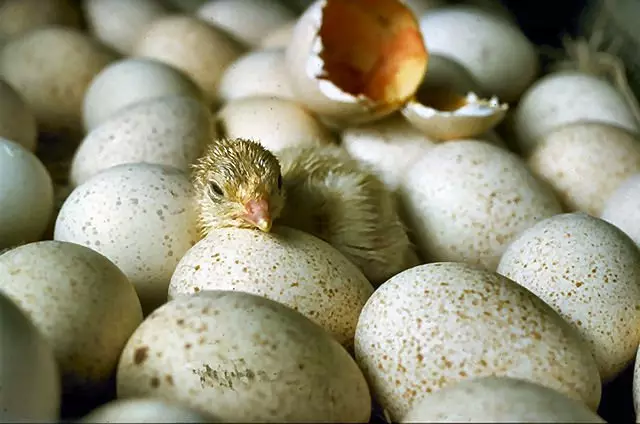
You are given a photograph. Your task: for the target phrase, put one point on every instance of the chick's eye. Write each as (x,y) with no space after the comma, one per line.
(279,182)
(215,189)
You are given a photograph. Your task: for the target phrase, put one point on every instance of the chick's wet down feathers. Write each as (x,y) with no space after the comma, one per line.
(320,190)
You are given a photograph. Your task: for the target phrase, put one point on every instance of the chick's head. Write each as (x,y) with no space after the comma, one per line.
(237,183)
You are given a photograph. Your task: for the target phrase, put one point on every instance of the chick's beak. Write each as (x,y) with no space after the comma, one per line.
(257,213)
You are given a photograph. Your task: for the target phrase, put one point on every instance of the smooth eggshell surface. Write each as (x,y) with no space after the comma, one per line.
(622,208)
(437,324)
(17,122)
(144,410)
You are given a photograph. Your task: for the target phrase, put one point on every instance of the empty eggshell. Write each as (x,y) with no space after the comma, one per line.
(288,266)
(29,375)
(276,123)
(438,324)
(356,61)
(467,200)
(496,53)
(80,301)
(198,49)
(17,122)
(279,37)
(278,366)
(171,130)
(585,163)
(567,97)
(26,195)
(144,410)
(622,208)
(129,81)
(246,20)
(20,16)
(140,216)
(52,68)
(499,399)
(118,23)
(589,272)
(257,73)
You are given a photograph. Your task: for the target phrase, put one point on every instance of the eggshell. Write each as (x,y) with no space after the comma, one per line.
(257,73)
(198,49)
(118,23)
(274,122)
(171,130)
(567,97)
(278,366)
(279,37)
(140,216)
(80,301)
(144,410)
(20,16)
(496,53)
(28,371)
(288,266)
(588,271)
(499,399)
(438,324)
(26,195)
(232,17)
(467,200)
(585,163)
(622,208)
(130,81)
(17,122)
(446,74)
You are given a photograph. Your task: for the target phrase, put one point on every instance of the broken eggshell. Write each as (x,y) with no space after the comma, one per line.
(357,61)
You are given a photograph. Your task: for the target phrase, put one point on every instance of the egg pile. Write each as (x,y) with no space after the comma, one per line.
(519,186)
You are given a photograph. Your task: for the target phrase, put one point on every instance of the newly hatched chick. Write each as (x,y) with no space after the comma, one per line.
(317,189)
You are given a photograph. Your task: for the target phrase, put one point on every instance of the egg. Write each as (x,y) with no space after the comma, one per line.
(144,410)
(585,163)
(20,16)
(467,200)
(567,97)
(170,130)
(288,266)
(80,301)
(494,51)
(447,74)
(29,375)
(499,399)
(52,68)
(622,207)
(278,366)
(26,195)
(140,216)
(257,73)
(589,272)
(232,16)
(274,122)
(118,23)
(17,122)
(130,81)
(199,50)
(279,37)
(434,325)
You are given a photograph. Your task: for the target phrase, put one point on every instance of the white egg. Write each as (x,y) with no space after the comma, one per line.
(622,208)
(438,324)
(29,377)
(17,122)
(140,216)
(144,410)
(243,358)
(170,130)
(26,195)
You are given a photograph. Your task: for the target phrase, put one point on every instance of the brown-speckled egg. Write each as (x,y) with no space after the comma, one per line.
(589,272)
(441,323)
(243,358)
(288,266)
(141,216)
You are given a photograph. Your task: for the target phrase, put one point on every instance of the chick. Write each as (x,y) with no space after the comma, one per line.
(319,190)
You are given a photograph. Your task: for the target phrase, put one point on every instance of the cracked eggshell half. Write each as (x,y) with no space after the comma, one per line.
(357,61)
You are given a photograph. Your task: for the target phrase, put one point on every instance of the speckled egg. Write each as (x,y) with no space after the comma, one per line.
(144,410)
(585,163)
(288,266)
(467,200)
(140,216)
(589,272)
(622,208)
(437,324)
(499,399)
(17,122)
(171,130)
(80,301)
(277,366)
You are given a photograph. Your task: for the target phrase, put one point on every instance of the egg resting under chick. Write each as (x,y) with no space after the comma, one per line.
(317,189)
